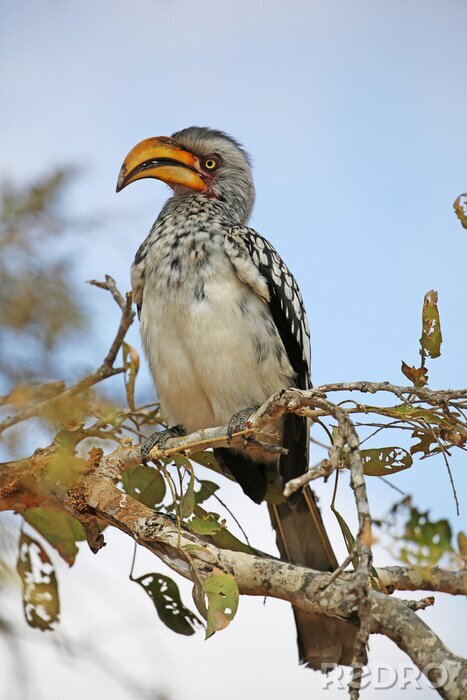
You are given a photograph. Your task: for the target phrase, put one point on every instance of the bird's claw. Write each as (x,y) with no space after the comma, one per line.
(239,421)
(159,439)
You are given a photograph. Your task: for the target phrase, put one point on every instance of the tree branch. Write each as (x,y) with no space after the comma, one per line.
(423,578)
(95,494)
(438,396)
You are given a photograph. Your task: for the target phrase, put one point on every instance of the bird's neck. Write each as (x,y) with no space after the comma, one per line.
(194,203)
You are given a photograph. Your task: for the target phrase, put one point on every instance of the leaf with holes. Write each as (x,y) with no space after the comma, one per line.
(165,595)
(430,342)
(383,461)
(145,484)
(59,529)
(417,375)
(424,446)
(223,538)
(41,603)
(223,595)
(131,366)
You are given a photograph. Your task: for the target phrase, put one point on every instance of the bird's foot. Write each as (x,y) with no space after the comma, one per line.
(239,421)
(159,439)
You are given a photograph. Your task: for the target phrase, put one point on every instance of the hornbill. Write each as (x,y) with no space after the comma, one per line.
(223,327)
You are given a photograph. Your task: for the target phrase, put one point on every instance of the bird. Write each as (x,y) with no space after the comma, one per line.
(223,327)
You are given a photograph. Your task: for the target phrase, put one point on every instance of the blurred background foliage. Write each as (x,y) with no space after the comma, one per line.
(39,306)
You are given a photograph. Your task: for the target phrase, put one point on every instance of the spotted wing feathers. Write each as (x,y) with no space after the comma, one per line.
(259,265)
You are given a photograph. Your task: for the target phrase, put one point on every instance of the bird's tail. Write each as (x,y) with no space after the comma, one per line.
(302,539)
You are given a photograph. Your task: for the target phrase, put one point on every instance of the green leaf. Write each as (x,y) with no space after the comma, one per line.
(145,484)
(349,539)
(180,461)
(430,342)
(432,538)
(350,544)
(41,603)
(422,541)
(206,459)
(223,538)
(405,411)
(203,526)
(223,595)
(131,366)
(383,461)
(59,529)
(165,595)
(187,500)
(208,488)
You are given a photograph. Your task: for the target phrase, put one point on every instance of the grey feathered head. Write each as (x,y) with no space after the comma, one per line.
(197,160)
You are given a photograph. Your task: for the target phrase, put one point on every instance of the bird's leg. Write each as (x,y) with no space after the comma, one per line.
(239,421)
(159,438)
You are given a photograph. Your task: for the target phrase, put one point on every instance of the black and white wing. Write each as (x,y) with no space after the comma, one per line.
(258,264)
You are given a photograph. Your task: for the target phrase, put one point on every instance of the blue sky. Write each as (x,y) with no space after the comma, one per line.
(354,114)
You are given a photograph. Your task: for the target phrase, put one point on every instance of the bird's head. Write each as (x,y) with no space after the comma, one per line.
(195,160)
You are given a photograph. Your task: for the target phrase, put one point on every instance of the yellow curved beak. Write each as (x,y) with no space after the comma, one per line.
(160,157)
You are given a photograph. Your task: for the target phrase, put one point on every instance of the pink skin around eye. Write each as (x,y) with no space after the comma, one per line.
(209,175)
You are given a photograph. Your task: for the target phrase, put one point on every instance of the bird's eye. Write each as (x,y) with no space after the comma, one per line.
(211,163)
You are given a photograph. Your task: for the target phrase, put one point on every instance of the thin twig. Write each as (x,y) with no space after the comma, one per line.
(340,569)
(445,453)
(322,469)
